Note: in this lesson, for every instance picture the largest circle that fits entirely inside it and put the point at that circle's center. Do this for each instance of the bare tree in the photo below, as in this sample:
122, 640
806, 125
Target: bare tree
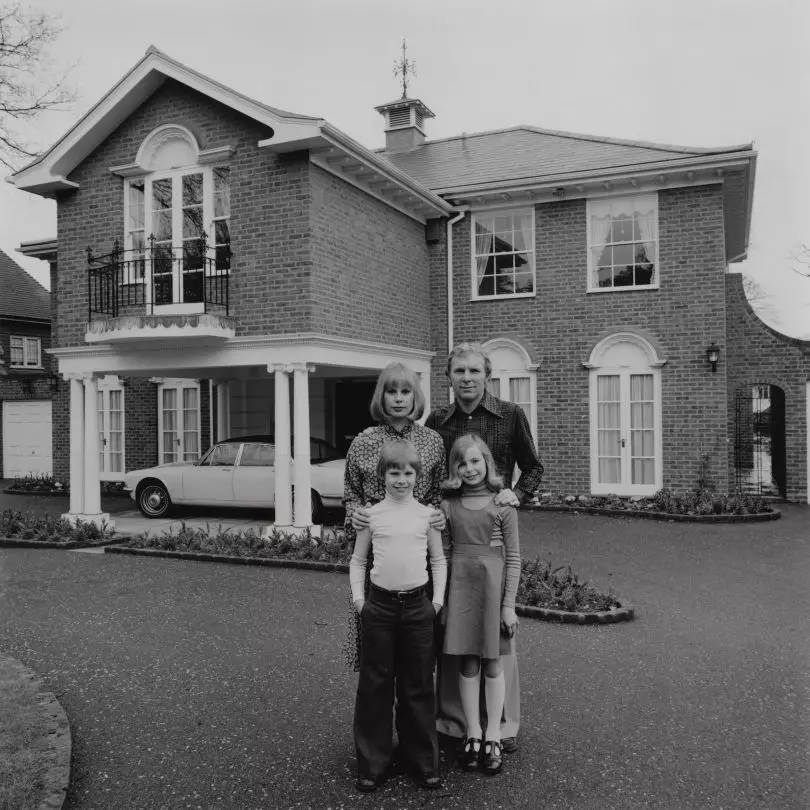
800, 261
26, 89
760, 301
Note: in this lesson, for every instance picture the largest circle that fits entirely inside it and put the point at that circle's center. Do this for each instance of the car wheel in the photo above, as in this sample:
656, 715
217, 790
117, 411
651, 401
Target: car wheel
154, 500
317, 508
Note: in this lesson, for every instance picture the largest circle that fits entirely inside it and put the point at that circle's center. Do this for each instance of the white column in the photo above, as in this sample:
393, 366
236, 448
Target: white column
303, 476
223, 410
76, 448
92, 483
281, 431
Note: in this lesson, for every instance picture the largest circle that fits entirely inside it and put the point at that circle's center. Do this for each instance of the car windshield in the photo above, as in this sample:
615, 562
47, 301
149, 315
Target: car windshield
220, 455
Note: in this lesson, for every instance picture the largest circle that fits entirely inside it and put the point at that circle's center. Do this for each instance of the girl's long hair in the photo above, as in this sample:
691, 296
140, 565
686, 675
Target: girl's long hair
460, 446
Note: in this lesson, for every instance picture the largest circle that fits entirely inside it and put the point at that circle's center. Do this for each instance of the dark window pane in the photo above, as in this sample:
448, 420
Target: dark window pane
222, 233
223, 257
162, 194
604, 276
192, 189
192, 222
623, 276
487, 286
524, 282
644, 273
162, 225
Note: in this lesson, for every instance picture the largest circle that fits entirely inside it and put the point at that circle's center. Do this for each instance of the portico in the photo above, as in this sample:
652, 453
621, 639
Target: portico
282, 368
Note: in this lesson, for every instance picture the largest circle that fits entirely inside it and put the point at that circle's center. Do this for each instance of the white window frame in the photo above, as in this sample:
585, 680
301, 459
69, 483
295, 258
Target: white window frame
106, 384
209, 219
525, 370
530, 252
602, 363
179, 384
592, 208
31, 348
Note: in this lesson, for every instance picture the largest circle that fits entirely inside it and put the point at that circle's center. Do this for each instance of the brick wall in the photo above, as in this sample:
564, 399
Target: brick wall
370, 277
563, 323
758, 354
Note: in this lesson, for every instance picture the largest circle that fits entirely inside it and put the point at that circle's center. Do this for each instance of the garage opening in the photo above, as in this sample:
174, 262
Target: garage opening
27, 442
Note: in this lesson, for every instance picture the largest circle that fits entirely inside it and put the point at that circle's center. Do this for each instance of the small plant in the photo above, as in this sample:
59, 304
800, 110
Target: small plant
38, 482
559, 588
27, 526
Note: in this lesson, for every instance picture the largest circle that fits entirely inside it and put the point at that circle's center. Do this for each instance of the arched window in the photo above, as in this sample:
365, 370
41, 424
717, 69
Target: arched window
177, 219
514, 376
625, 407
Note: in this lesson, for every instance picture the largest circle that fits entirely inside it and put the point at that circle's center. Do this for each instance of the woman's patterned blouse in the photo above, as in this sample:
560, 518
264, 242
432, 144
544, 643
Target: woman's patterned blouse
362, 485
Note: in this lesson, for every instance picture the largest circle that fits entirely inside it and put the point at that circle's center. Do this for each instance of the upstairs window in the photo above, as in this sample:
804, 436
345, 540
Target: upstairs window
503, 254
623, 243
26, 352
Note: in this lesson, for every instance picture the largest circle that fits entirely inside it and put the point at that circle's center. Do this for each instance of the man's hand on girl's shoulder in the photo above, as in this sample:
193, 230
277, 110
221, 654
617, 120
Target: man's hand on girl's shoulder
507, 497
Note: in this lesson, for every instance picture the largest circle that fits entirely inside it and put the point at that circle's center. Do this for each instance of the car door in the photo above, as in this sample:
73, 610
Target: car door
254, 479
212, 481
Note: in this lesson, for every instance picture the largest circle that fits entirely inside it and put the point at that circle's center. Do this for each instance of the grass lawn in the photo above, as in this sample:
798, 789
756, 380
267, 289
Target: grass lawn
24, 758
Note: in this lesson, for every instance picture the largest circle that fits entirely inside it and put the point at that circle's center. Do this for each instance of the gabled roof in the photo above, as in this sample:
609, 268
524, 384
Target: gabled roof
21, 296
342, 155
524, 154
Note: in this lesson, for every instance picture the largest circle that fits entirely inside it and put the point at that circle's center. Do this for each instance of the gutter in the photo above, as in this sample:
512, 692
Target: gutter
457, 218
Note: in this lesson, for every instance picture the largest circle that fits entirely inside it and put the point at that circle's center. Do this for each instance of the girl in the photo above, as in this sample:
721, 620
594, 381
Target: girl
481, 614
397, 624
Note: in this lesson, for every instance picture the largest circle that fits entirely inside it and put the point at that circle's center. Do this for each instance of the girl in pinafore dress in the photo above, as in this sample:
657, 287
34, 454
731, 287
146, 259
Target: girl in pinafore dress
484, 576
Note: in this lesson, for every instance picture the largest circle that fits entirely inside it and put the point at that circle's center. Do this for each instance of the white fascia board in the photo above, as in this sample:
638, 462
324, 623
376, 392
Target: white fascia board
119, 103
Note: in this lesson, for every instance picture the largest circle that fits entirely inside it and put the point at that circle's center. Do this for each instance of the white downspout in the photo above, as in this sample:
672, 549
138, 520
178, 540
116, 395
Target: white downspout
450, 224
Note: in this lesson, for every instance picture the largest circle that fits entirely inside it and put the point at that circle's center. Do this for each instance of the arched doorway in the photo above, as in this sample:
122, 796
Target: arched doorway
759, 440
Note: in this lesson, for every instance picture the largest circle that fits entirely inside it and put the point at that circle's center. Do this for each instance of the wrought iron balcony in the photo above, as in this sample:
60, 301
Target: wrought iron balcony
160, 278
161, 292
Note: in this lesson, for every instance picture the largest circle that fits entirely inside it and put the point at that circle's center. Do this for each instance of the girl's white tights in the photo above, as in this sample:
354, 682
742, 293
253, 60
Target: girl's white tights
469, 689
494, 694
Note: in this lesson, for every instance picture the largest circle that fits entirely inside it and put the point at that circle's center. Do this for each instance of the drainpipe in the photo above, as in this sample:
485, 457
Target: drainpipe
462, 212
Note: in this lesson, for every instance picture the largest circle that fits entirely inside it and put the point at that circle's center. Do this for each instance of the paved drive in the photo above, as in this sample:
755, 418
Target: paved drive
203, 685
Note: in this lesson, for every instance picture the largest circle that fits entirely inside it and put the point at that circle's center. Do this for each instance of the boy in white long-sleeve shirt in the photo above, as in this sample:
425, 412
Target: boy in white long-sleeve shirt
398, 619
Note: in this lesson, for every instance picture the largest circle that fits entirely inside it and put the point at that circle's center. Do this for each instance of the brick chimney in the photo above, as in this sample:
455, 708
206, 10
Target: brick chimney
404, 123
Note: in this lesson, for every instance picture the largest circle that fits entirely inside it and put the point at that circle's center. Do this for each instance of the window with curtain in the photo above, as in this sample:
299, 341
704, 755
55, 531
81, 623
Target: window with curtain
503, 254
25, 352
623, 243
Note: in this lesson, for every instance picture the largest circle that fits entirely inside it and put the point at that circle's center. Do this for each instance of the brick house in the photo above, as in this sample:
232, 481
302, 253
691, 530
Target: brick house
225, 267
26, 381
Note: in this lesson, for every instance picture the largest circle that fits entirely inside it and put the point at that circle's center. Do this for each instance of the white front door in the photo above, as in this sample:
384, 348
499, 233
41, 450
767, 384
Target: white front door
178, 422
27, 447
111, 431
625, 432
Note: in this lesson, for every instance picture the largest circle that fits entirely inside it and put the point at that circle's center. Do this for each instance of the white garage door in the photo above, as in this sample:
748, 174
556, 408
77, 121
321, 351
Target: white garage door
27, 446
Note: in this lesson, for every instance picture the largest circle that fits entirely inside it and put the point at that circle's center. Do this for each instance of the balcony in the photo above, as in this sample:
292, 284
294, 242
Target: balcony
159, 293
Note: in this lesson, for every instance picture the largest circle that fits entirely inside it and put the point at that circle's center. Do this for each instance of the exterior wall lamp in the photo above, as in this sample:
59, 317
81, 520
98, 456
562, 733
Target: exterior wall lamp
713, 355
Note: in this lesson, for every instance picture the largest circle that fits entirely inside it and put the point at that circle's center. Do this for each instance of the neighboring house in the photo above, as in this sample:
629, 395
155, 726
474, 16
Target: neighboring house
225, 267
26, 382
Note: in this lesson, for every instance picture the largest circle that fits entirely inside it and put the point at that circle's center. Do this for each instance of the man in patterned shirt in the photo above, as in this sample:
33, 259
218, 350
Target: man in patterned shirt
505, 429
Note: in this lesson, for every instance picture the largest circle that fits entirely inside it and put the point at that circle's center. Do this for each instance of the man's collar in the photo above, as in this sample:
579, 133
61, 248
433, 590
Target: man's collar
488, 402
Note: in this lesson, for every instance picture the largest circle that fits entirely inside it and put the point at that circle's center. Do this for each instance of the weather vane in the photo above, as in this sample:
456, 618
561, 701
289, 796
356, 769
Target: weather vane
403, 68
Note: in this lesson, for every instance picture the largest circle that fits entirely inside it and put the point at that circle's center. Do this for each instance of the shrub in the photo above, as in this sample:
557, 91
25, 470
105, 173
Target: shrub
27, 526
559, 588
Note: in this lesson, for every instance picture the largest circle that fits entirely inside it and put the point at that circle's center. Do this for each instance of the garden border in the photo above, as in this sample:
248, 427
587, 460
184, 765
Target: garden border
623, 612
649, 515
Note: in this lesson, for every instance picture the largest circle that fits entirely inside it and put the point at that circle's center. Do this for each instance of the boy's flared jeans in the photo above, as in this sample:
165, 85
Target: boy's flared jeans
397, 631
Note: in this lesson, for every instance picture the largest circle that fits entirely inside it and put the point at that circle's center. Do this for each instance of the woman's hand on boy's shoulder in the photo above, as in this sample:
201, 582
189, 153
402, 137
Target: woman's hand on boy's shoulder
507, 497
360, 517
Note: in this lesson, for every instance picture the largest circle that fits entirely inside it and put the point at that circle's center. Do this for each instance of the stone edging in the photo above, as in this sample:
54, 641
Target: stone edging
56, 493
54, 726
18, 542
629, 513
622, 613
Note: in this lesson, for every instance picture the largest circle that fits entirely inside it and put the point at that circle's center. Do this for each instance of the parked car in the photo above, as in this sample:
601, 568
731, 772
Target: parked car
236, 472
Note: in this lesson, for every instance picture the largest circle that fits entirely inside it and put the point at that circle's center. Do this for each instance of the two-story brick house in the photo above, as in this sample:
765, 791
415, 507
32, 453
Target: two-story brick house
26, 381
230, 268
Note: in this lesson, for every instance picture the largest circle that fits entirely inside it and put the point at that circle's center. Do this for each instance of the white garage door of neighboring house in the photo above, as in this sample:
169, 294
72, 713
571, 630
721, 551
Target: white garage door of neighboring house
27, 446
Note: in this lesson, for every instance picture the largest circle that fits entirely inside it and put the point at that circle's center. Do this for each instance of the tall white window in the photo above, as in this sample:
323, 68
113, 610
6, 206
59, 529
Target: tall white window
179, 421
25, 352
111, 429
626, 446
503, 254
623, 243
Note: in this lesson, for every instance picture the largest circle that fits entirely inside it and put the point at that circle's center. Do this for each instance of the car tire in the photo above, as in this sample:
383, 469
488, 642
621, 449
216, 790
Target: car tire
153, 499
317, 508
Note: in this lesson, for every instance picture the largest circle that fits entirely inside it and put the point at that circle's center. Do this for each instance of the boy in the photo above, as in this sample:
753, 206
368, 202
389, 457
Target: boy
397, 624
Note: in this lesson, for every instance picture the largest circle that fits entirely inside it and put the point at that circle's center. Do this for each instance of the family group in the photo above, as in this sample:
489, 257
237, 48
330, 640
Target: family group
435, 570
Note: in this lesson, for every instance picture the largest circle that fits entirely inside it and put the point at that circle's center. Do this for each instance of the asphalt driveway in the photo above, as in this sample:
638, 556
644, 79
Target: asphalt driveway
215, 686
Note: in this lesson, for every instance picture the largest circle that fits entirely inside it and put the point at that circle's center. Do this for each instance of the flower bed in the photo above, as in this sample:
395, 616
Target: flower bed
665, 505
544, 592
47, 485
25, 528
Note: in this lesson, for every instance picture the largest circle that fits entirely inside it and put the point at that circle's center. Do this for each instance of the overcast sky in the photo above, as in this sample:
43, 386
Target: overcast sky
686, 72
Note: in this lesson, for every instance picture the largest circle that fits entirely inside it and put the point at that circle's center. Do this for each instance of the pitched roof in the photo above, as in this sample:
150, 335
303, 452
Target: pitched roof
529, 154
21, 295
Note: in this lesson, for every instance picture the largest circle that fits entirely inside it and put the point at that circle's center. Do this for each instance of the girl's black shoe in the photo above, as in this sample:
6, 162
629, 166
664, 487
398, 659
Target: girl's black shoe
470, 754
492, 758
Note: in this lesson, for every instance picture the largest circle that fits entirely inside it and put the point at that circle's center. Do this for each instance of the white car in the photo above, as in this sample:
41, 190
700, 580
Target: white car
235, 472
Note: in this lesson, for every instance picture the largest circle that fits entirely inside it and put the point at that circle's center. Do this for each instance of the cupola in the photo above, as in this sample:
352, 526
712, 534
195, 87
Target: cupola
404, 123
